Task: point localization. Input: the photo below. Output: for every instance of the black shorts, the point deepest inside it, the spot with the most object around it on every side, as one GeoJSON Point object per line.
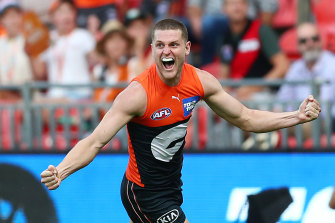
{"type": "Point", "coordinates": [145, 205]}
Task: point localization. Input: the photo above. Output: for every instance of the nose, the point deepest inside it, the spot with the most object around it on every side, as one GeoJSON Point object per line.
{"type": "Point", "coordinates": [166, 50]}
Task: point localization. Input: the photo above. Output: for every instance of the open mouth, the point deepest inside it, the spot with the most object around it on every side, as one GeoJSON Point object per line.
{"type": "Point", "coordinates": [168, 63]}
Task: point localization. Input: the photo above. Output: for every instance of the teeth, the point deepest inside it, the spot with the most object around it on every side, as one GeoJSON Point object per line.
{"type": "Point", "coordinates": [167, 59]}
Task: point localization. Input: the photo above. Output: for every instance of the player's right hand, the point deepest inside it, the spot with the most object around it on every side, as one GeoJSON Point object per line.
{"type": "Point", "coordinates": [50, 178]}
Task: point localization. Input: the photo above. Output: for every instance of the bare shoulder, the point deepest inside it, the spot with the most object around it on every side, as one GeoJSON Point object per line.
{"type": "Point", "coordinates": [132, 100]}
{"type": "Point", "coordinates": [210, 84]}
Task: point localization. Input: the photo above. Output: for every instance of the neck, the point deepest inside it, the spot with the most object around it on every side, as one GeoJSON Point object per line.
{"type": "Point", "coordinates": [12, 35]}
{"type": "Point", "coordinates": [112, 63]}
{"type": "Point", "coordinates": [310, 64]}
{"type": "Point", "coordinates": [172, 82]}
{"type": "Point", "coordinates": [65, 32]}
{"type": "Point", "coordinates": [238, 26]}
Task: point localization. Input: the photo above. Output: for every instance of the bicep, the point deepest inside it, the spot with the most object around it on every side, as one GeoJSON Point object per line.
{"type": "Point", "coordinates": [221, 102]}
{"type": "Point", "coordinates": [127, 105]}
{"type": "Point", "coordinates": [227, 107]}
{"type": "Point", "coordinates": [112, 122]}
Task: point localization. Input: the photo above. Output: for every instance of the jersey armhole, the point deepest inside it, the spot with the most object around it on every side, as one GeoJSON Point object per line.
{"type": "Point", "coordinates": [200, 87]}
{"type": "Point", "coordinates": [148, 101]}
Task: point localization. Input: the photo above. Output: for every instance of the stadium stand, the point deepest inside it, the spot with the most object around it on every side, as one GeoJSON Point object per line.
{"type": "Point", "coordinates": [286, 15]}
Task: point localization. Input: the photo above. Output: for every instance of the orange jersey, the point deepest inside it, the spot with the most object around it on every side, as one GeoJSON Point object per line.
{"type": "Point", "coordinates": [156, 139]}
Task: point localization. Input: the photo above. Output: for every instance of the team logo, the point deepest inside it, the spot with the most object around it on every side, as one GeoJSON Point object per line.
{"type": "Point", "coordinates": [189, 104]}
{"type": "Point", "coordinates": [169, 217]}
{"type": "Point", "coordinates": [176, 97]}
{"type": "Point", "coordinates": [161, 114]}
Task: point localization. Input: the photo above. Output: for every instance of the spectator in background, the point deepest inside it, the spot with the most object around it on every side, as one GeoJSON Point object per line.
{"type": "Point", "coordinates": [263, 10]}
{"type": "Point", "coordinates": [66, 61]}
{"type": "Point", "coordinates": [138, 26]}
{"type": "Point", "coordinates": [206, 23]}
{"type": "Point", "coordinates": [250, 50]}
{"type": "Point", "coordinates": [14, 62]}
{"type": "Point", "coordinates": [93, 26]}
{"type": "Point", "coordinates": [115, 49]}
{"type": "Point", "coordinates": [160, 9]}
{"type": "Point", "coordinates": [102, 10]}
{"type": "Point", "coordinates": [315, 63]}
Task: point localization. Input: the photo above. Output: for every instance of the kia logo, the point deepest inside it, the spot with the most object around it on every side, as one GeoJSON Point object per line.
{"type": "Point", "coordinates": [169, 217]}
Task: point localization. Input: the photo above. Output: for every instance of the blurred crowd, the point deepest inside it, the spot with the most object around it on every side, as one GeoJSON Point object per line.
{"type": "Point", "coordinates": [108, 41]}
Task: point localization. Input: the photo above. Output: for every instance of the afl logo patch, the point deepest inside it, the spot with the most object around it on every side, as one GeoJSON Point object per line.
{"type": "Point", "coordinates": [169, 217]}
{"type": "Point", "coordinates": [161, 114]}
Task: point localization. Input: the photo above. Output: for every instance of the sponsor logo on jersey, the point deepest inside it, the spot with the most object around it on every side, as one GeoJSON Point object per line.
{"type": "Point", "coordinates": [169, 217]}
{"type": "Point", "coordinates": [189, 104]}
{"type": "Point", "coordinates": [161, 114]}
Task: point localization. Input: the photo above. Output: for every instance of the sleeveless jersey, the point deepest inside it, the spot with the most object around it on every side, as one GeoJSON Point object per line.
{"type": "Point", "coordinates": [156, 139]}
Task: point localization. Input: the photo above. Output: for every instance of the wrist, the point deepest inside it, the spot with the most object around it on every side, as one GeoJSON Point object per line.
{"type": "Point", "coordinates": [299, 117]}
{"type": "Point", "coordinates": [60, 174]}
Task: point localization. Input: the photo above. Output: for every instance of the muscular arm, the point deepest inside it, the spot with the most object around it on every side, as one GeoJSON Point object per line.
{"type": "Point", "coordinates": [252, 120]}
{"type": "Point", "coordinates": [130, 103]}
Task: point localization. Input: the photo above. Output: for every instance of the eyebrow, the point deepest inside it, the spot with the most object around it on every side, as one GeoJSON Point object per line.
{"type": "Point", "coordinates": [174, 41]}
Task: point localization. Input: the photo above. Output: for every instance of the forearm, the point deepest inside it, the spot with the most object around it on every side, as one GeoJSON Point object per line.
{"type": "Point", "coordinates": [80, 156]}
{"type": "Point", "coordinates": [276, 73]}
{"type": "Point", "coordinates": [39, 69]}
{"type": "Point", "coordinates": [280, 66]}
{"type": "Point", "coordinates": [264, 121]}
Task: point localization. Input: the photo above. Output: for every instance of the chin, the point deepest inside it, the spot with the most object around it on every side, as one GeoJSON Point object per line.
{"type": "Point", "coordinates": [169, 74]}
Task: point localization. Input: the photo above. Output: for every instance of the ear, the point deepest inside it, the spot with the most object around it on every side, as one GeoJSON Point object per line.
{"type": "Point", "coordinates": [188, 48]}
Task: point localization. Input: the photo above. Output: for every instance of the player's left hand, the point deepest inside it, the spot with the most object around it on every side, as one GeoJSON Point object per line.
{"type": "Point", "coordinates": [309, 109]}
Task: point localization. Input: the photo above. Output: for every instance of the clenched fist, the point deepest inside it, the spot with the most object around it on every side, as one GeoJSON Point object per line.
{"type": "Point", "coordinates": [309, 109]}
{"type": "Point", "coordinates": [51, 178]}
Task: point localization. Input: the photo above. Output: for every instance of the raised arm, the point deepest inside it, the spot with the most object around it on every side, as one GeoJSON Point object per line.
{"type": "Point", "coordinates": [252, 120]}
{"type": "Point", "coordinates": [129, 103]}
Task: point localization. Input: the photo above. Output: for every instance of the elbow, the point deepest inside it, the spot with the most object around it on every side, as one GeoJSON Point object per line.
{"type": "Point", "coordinates": [248, 122]}
{"type": "Point", "coordinates": [244, 121]}
{"type": "Point", "coordinates": [88, 145]}
{"type": "Point", "coordinates": [247, 127]}
{"type": "Point", "coordinates": [284, 66]}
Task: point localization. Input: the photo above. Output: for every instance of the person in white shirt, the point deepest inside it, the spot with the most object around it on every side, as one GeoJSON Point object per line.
{"type": "Point", "coordinates": [66, 61]}
{"type": "Point", "coordinates": [315, 63]}
{"type": "Point", "coordinates": [14, 63]}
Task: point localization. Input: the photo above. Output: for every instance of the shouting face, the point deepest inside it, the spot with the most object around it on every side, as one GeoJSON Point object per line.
{"type": "Point", "coordinates": [169, 50]}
